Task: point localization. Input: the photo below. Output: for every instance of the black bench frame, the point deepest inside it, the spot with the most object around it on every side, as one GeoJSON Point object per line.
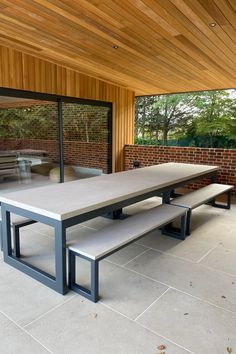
{"type": "Point", "coordinates": [93, 293]}
{"type": "Point", "coordinates": [213, 203]}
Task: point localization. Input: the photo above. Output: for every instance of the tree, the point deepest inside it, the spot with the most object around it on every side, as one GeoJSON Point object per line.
{"type": "Point", "coordinates": [215, 113]}
{"type": "Point", "coordinates": [209, 115]}
{"type": "Point", "coordinates": [173, 112]}
{"type": "Point", "coordinates": [144, 117]}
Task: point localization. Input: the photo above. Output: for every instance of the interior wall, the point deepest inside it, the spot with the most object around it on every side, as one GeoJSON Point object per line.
{"type": "Point", "coordinates": [25, 72]}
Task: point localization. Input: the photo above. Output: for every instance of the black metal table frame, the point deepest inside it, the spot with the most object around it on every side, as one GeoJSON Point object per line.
{"type": "Point", "coordinates": [59, 282]}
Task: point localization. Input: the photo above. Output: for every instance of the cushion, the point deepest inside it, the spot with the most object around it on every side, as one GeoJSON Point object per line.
{"type": "Point", "coordinates": [69, 174]}
{"type": "Point", "coordinates": [42, 169]}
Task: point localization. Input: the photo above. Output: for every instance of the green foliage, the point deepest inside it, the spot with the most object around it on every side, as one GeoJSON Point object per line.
{"type": "Point", "coordinates": [141, 141]}
{"type": "Point", "coordinates": [28, 122]}
{"type": "Point", "coordinates": [84, 123]}
{"type": "Point", "coordinates": [39, 121]}
{"type": "Point", "coordinates": [203, 118]}
{"type": "Point", "coordinates": [215, 114]}
{"type": "Point", "coordinates": [197, 141]}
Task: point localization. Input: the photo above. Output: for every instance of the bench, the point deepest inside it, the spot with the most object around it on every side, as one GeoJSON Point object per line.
{"type": "Point", "coordinates": [17, 222]}
{"type": "Point", "coordinates": [201, 196]}
{"type": "Point", "coordinates": [100, 244]}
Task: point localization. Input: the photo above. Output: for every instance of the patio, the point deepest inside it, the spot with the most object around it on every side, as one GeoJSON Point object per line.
{"type": "Point", "coordinates": [156, 293]}
{"type": "Point", "coordinates": [159, 295]}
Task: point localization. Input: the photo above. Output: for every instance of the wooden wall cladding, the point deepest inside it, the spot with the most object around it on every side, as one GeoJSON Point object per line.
{"type": "Point", "coordinates": [25, 72]}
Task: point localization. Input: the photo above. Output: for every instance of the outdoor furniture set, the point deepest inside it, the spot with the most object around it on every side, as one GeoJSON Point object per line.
{"type": "Point", "coordinates": [57, 206]}
{"type": "Point", "coordinates": [18, 163]}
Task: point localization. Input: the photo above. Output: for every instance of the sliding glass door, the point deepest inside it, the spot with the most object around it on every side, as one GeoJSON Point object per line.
{"type": "Point", "coordinates": [86, 140]}
{"type": "Point", "coordinates": [47, 139]}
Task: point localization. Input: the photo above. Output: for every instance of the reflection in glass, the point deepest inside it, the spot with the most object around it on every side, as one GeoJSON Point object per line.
{"type": "Point", "coordinates": [28, 142]}
{"type": "Point", "coordinates": [85, 140]}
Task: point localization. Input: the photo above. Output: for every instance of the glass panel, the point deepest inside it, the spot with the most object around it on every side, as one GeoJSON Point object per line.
{"type": "Point", "coordinates": [85, 140]}
{"type": "Point", "coordinates": [28, 143]}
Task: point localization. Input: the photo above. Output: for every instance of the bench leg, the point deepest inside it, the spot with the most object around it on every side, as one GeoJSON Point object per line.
{"type": "Point", "coordinates": [175, 232]}
{"type": "Point", "coordinates": [223, 206]}
{"type": "Point", "coordinates": [183, 225]}
{"type": "Point", "coordinates": [16, 240]}
{"type": "Point", "coordinates": [91, 294]}
{"type": "Point", "coordinates": [188, 222]}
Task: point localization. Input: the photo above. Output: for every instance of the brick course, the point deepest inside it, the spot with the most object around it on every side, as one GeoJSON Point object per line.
{"type": "Point", "coordinates": [154, 155]}
{"type": "Point", "coordinates": [92, 154]}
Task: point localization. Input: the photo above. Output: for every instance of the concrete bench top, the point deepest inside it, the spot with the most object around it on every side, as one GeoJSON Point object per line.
{"type": "Point", "coordinates": [66, 200]}
{"type": "Point", "coordinates": [99, 243]}
{"type": "Point", "coordinates": [196, 198]}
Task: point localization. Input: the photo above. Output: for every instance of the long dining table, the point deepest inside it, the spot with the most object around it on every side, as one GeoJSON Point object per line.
{"type": "Point", "coordinates": [66, 204]}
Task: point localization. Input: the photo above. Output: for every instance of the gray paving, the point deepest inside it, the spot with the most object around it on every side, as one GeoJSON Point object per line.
{"type": "Point", "coordinates": [156, 293]}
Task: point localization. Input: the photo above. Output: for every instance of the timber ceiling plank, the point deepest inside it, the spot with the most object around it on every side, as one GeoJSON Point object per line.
{"type": "Point", "coordinates": [148, 46]}
{"type": "Point", "coordinates": [169, 68]}
{"type": "Point", "coordinates": [70, 51]}
{"type": "Point", "coordinates": [104, 59]}
{"type": "Point", "coordinates": [219, 37]}
{"type": "Point", "coordinates": [232, 3]}
{"type": "Point", "coordinates": [195, 38]}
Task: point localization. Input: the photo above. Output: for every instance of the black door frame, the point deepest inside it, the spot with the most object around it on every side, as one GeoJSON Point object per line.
{"type": "Point", "coordinates": [59, 100]}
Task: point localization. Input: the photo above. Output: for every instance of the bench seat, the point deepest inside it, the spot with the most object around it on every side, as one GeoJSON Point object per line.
{"type": "Point", "coordinates": [201, 196]}
{"type": "Point", "coordinates": [102, 243]}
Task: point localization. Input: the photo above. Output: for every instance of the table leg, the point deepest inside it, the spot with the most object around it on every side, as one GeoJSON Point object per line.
{"type": "Point", "coordinates": [166, 197]}
{"type": "Point", "coordinates": [57, 283]}
{"type": "Point", "coordinates": [213, 178]}
{"type": "Point", "coordinates": [116, 214]}
{"type": "Point", "coordinates": [60, 257]}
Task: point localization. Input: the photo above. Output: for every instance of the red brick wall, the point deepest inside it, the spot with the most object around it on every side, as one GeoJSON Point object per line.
{"type": "Point", "coordinates": [153, 155]}
{"type": "Point", "coordinates": [93, 154]}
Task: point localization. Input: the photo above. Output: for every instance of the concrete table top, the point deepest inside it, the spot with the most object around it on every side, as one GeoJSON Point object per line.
{"type": "Point", "coordinates": [66, 200]}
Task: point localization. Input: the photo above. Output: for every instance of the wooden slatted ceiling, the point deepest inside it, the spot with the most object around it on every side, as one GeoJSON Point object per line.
{"type": "Point", "coordinates": [163, 45]}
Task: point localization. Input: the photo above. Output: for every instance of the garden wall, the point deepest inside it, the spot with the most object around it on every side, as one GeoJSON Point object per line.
{"type": "Point", "coordinates": [153, 155]}
{"type": "Point", "coordinates": [92, 154]}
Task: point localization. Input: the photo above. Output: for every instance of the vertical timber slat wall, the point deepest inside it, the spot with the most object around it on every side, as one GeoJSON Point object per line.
{"type": "Point", "coordinates": [25, 72]}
